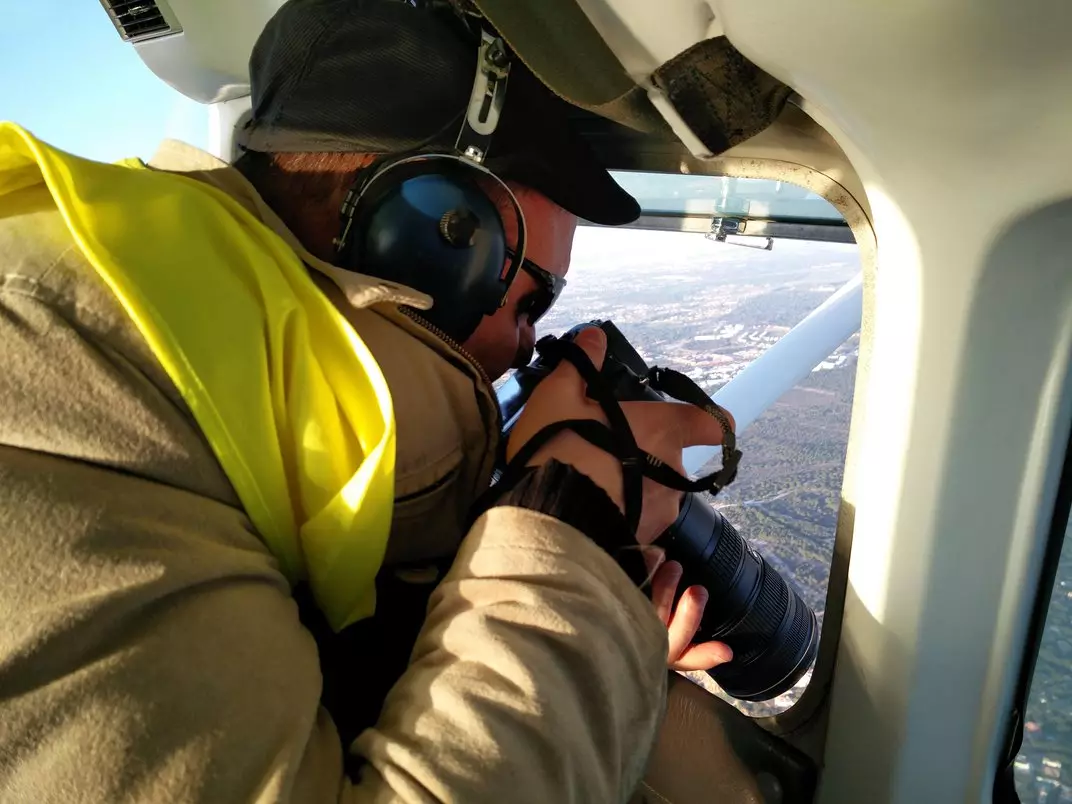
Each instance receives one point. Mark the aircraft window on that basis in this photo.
(709, 309)
(684, 194)
(1043, 769)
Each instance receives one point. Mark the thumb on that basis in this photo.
(594, 343)
(697, 427)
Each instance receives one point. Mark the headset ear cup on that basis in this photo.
(432, 228)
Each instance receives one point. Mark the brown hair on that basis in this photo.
(305, 190)
(310, 177)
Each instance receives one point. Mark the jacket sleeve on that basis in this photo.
(539, 675)
(151, 650)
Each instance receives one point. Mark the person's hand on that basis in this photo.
(663, 429)
(683, 620)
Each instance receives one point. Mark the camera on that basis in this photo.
(774, 634)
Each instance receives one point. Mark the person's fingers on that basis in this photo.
(685, 620)
(663, 588)
(666, 428)
(661, 507)
(594, 342)
(703, 656)
(697, 427)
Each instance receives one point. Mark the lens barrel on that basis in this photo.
(772, 631)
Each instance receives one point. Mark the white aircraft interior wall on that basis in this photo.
(952, 121)
(209, 60)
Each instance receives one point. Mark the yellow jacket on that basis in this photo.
(291, 400)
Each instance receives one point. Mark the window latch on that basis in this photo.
(722, 228)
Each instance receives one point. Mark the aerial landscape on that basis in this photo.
(707, 309)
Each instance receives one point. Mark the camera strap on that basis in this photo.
(617, 438)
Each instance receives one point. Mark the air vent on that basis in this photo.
(137, 20)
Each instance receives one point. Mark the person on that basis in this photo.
(191, 439)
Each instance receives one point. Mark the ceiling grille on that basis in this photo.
(140, 19)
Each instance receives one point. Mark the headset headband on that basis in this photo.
(474, 137)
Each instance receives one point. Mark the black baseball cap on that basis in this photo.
(383, 76)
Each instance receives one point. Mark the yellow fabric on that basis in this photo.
(292, 402)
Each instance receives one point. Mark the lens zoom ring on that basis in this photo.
(765, 617)
(726, 561)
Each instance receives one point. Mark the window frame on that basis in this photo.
(1004, 791)
(802, 725)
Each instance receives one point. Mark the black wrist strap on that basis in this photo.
(560, 491)
(617, 438)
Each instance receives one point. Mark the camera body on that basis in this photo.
(623, 368)
(772, 631)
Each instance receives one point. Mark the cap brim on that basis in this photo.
(536, 145)
(575, 182)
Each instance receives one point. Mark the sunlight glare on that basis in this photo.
(890, 391)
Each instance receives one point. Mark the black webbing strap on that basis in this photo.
(620, 433)
(682, 388)
(618, 439)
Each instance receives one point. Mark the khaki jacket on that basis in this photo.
(151, 649)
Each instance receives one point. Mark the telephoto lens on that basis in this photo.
(774, 634)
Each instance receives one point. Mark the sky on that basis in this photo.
(66, 76)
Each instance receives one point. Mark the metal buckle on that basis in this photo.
(486, 99)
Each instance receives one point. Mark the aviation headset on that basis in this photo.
(421, 219)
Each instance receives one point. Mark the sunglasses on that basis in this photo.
(548, 287)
